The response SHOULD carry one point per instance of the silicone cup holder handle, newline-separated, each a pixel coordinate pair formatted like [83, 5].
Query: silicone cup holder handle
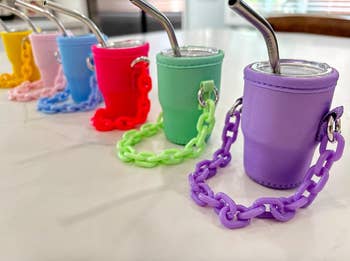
[280, 120]
[74, 51]
[115, 78]
[44, 47]
[179, 80]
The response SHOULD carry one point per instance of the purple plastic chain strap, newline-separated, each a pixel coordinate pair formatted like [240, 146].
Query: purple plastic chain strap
[233, 215]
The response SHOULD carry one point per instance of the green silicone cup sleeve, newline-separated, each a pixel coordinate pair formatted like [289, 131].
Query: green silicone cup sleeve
[179, 80]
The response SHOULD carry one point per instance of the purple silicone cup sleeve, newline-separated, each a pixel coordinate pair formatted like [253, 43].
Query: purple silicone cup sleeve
[280, 121]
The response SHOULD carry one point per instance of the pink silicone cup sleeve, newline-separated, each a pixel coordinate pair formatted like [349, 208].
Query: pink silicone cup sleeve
[44, 46]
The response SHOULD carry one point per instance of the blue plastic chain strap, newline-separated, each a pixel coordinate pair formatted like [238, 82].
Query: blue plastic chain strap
[58, 103]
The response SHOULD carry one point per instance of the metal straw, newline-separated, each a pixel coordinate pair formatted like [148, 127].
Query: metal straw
[263, 26]
[148, 8]
[44, 12]
[3, 25]
[21, 15]
[80, 17]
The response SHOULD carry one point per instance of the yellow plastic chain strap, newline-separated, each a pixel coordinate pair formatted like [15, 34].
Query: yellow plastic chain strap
[8, 80]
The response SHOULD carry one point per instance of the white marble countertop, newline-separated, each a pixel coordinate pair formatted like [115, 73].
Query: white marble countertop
[64, 195]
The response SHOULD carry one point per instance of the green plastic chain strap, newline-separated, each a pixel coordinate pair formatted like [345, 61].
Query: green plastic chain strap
[173, 156]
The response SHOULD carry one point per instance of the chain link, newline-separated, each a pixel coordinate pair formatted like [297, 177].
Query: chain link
[173, 156]
[11, 80]
[59, 102]
[282, 209]
[28, 91]
[103, 122]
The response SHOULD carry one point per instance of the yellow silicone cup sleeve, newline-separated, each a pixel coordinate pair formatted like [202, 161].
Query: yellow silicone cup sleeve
[13, 43]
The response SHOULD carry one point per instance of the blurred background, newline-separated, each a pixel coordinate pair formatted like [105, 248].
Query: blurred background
[120, 17]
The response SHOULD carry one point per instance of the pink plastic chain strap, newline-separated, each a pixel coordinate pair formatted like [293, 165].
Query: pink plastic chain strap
[233, 215]
[28, 91]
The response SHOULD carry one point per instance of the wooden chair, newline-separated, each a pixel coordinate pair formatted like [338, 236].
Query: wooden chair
[311, 24]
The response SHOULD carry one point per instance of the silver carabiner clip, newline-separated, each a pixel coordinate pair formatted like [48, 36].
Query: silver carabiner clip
[237, 106]
[333, 125]
[138, 60]
[200, 94]
[90, 64]
[58, 57]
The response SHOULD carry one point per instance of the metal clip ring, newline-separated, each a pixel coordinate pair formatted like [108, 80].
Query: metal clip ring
[58, 57]
[201, 93]
[139, 59]
[25, 39]
[235, 106]
[90, 64]
[334, 125]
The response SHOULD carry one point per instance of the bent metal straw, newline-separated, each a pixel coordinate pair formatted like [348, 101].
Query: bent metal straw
[44, 47]
[285, 114]
[19, 52]
[189, 82]
[4, 26]
[80, 81]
